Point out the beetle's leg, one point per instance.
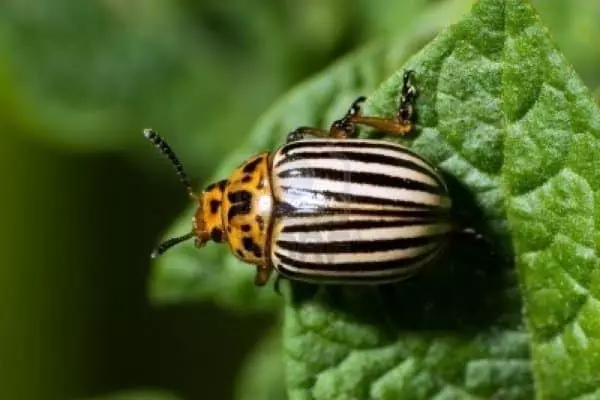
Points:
(346, 127)
(408, 96)
(300, 133)
(263, 272)
(402, 124)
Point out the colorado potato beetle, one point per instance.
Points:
(332, 209)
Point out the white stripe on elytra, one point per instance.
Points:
(312, 201)
(356, 258)
(328, 148)
(358, 166)
(320, 185)
(365, 234)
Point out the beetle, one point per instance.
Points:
(333, 209)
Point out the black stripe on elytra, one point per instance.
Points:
(359, 246)
(350, 267)
(346, 279)
(369, 178)
(366, 157)
(359, 199)
(357, 225)
(438, 213)
(251, 166)
(318, 144)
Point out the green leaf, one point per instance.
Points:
(187, 68)
(186, 274)
(505, 117)
(514, 129)
(262, 376)
(140, 394)
(79, 84)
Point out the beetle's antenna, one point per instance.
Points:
(169, 243)
(165, 149)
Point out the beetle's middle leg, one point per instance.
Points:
(300, 133)
(400, 125)
(341, 129)
(346, 127)
(263, 272)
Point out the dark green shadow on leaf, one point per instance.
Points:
(262, 376)
(139, 394)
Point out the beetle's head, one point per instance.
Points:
(206, 224)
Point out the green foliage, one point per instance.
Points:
(182, 274)
(503, 114)
(139, 394)
(262, 376)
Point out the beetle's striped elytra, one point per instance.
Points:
(333, 209)
(366, 211)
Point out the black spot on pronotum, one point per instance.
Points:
(246, 228)
(249, 245)
(221, 184)
(239, 196)
(261, 222)
(214, 206)
(217, 235)
(241, 203)
(251, 166)
(246, 178)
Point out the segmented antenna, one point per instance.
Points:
(167, 244)
(166, 150)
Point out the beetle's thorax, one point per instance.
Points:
(208, 222)
(238, 210)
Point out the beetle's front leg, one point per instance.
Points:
(341, 129)
(346, 128)
(300, 133)
(408, 96)
(400, 125)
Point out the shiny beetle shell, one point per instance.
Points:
(335, 209)
(355, 211)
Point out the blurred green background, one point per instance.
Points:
(84, 197)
